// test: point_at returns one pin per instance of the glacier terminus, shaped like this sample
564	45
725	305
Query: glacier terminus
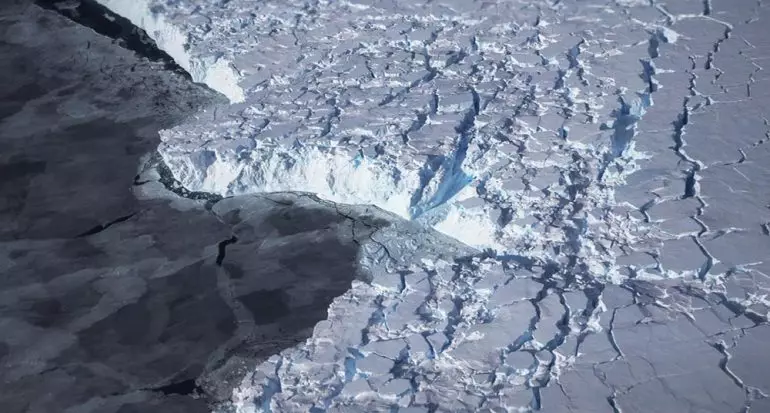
243	206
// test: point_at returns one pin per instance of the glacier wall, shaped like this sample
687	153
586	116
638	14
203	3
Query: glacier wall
211	71
509	135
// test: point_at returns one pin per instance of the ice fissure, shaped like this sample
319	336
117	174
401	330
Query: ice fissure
510	136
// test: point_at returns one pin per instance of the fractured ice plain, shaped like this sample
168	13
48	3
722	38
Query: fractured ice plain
567	137
485	121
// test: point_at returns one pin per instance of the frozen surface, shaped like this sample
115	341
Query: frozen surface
502	124
489	114
583	141
507	125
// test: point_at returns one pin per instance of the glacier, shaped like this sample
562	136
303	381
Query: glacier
451	115
537	200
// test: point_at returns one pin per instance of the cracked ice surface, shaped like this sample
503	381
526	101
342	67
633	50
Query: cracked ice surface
432	325
582	142
507	125
428	330
503	343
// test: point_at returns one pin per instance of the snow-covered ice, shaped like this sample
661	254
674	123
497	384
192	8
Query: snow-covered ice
485	121
566	139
